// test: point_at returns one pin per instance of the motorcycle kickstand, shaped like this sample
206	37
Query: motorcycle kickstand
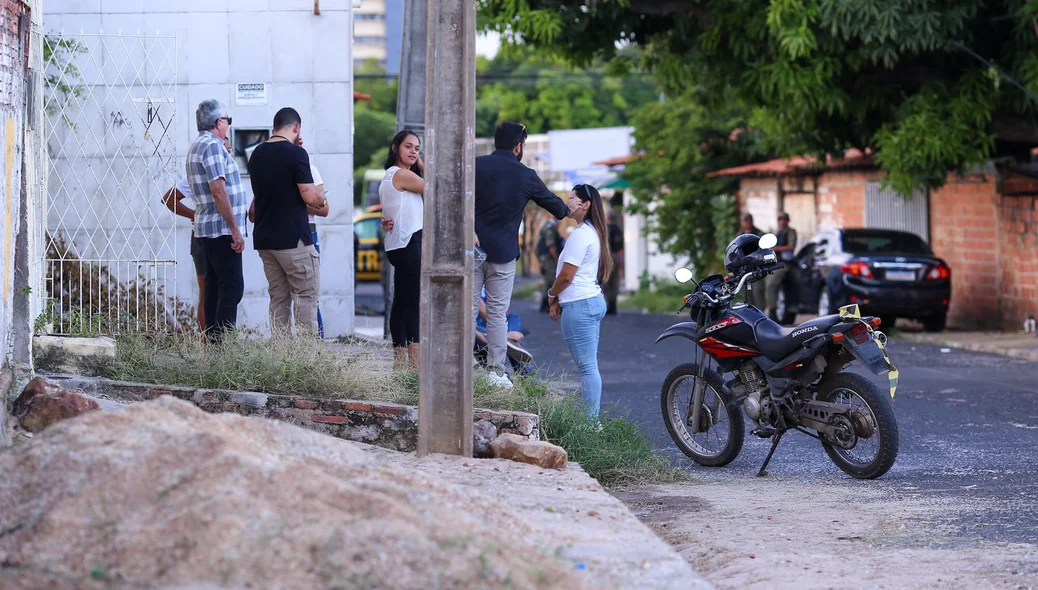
774	444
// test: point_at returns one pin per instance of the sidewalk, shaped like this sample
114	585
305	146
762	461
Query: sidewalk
1012	344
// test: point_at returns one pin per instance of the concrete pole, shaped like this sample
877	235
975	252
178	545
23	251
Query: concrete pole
410	101
445	378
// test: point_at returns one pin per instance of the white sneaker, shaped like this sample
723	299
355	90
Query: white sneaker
497	380
517	352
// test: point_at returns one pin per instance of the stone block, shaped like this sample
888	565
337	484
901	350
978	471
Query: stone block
42	404
535	452
70	354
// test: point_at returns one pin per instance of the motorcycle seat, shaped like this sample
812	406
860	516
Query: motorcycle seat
776	342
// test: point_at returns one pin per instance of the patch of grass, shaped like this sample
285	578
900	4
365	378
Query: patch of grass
658	299
277	365
527	291
618	455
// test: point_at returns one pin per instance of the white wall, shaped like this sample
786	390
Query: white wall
641	252
306	62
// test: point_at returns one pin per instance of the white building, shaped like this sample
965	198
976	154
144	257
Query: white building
255	56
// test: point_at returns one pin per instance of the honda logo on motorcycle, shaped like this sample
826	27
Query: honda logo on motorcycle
804	331
723	324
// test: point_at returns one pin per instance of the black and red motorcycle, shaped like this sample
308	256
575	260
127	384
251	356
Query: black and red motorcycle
782	378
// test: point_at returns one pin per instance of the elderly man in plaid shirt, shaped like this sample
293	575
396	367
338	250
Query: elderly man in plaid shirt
220	209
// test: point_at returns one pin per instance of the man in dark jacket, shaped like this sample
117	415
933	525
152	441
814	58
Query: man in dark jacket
503	188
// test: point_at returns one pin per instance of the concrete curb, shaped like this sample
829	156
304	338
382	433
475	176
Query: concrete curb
1009	345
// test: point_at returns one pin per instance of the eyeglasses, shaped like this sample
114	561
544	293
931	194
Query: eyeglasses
228	119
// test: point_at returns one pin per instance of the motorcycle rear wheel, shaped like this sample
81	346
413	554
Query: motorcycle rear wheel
877	409
722	440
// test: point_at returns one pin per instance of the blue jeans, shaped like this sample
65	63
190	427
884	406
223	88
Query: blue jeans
320	321
581	325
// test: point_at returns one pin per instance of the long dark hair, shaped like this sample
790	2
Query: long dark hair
394	147
597	218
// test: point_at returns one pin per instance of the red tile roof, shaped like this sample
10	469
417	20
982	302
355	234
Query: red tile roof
617	161
852	158
359	96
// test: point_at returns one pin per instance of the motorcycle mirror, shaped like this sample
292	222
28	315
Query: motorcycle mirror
767	241
683	275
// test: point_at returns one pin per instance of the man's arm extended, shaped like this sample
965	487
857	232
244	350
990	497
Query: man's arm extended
172	200
535	190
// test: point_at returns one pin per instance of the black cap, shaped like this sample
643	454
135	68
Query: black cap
508	135
784	216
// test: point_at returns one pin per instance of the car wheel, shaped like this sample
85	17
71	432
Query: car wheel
783	314
935	324
825	303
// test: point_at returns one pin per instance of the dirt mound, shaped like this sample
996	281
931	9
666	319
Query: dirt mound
164	495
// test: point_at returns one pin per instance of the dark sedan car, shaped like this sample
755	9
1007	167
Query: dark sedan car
890	274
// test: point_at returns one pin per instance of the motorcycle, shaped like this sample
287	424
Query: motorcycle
782	378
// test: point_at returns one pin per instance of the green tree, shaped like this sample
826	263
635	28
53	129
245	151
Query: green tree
373	131
681	141
521	84
371	79
931	85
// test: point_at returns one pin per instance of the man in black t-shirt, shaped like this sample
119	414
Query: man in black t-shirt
283	187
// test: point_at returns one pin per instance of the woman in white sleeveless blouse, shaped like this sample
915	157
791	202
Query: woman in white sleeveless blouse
401	193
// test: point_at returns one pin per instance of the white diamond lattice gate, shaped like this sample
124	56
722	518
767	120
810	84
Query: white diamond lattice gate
110	101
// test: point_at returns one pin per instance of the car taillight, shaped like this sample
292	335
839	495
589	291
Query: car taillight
939	272
859	333
856	269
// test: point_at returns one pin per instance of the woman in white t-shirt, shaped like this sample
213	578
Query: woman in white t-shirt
401	193
576	296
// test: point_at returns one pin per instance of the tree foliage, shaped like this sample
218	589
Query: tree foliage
682	141
520	84
930	85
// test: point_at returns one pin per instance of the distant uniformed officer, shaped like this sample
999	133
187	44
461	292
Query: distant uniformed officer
549	245
787	242
756	295
616	248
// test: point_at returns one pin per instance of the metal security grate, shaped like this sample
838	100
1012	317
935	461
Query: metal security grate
110	103
887	209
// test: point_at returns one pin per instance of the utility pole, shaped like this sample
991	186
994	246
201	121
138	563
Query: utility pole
410	104
445	377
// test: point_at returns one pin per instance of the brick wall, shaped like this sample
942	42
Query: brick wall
1018	251
964	231
392	426
759	197
841	200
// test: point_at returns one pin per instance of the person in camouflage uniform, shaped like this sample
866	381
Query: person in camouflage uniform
549	245
756	295
616	248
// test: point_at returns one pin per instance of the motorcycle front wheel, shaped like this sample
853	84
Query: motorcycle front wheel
874	443
721	430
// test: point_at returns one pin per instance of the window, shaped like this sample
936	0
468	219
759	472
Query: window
370	40
244	142
367	228
375	17
883	242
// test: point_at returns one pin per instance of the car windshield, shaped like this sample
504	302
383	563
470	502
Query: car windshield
367	228
883	242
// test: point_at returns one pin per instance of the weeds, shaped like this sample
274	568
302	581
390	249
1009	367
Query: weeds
617	455
276	365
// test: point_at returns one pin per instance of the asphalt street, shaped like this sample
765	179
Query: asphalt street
968	422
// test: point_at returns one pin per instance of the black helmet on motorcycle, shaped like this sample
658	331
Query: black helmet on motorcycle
738	249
